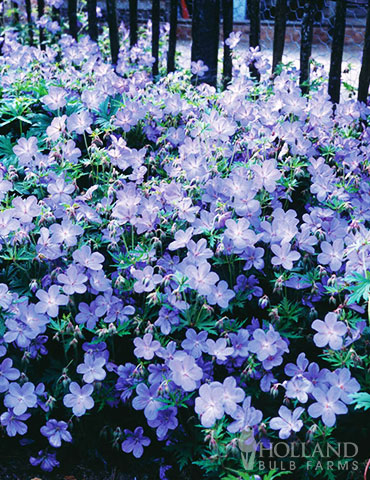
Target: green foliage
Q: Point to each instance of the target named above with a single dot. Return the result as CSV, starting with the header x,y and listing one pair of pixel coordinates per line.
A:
x,y
361,400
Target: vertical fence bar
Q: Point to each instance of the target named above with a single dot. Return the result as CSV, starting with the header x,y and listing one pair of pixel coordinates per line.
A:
x,y
1,14
15,13
29,21
279,33
205,37
92,20
72,18
255,30
306,43
364,80
228,23
133,22
40,13
113,29
156,13
337,51
172,39
55,14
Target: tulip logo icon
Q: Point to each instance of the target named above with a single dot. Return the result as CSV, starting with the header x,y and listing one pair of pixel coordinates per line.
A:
x,y
248,446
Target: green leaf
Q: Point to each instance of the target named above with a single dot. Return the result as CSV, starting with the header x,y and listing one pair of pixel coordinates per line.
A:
x,y
361,400
361,287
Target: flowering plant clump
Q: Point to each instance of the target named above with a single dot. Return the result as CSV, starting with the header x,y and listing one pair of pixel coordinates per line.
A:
x,y
177,265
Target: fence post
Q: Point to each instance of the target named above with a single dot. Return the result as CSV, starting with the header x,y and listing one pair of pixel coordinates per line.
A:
x,y
40,13
228,21
306,43
29,21
72,18
279,33
156,12
172,39
205,37
92,20
15,13
255,30
364,80
133,22
337,51
113,30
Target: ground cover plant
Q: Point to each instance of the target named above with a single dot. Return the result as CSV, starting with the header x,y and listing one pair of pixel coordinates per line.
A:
x,y
180,266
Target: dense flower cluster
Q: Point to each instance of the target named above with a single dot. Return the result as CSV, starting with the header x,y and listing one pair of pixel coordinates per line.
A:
x,y
188,250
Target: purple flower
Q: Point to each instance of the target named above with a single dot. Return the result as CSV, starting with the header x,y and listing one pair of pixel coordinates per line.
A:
x,y
245,417
198,68
87,315
327,405
201,278
264,344
67,233
14,423
166,319
74,282
330,331
198,251
45,247
146,279
19,332
125,380
232,395
219,349
92,368
7,372
266,175
56,432
147,400
50,301
182,238
298,388
26,209
195,343
185,372
240,234
146,346
253,257
287,422
341,378
166,420
79,399
55,99
332,255
84,257
20,398
233,39
209,404
302,363
60,191
56,128
220,295
284,256
47,461
26,149
240,342
135,442
5,296
266,381
80,122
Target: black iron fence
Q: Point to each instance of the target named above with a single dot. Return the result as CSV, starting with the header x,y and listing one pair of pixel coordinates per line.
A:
x,y
209,18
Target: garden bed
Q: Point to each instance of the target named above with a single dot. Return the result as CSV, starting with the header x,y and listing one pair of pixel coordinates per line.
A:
x,y
184,272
